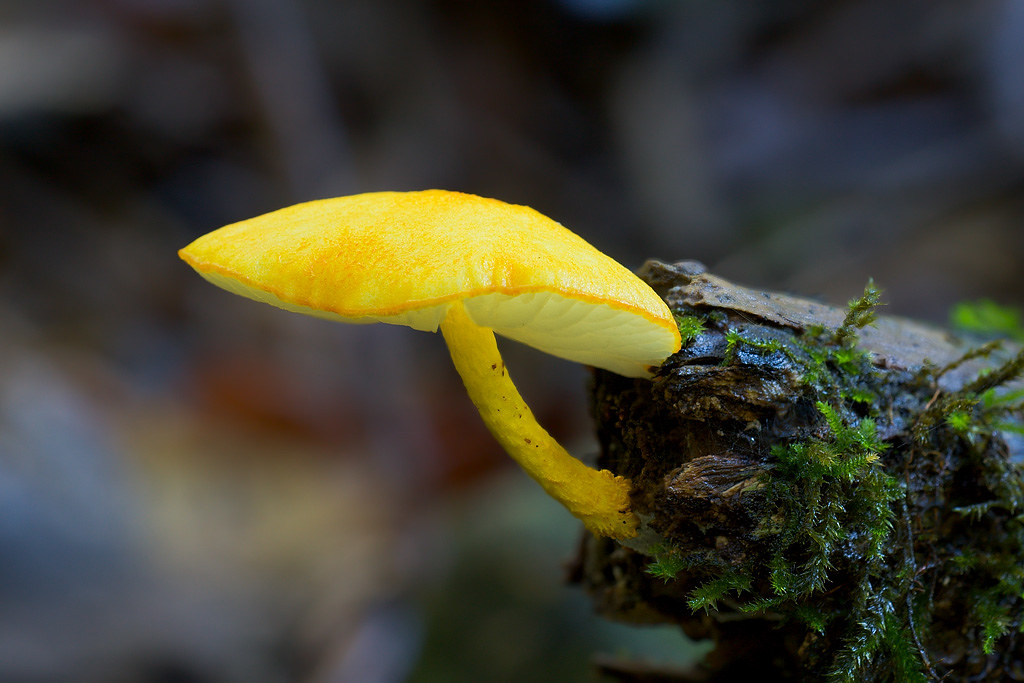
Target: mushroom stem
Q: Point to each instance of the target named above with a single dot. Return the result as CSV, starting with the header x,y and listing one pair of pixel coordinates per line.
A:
x,y
598,498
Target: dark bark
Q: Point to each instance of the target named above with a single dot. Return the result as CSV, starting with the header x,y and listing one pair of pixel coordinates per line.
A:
x,y
819,498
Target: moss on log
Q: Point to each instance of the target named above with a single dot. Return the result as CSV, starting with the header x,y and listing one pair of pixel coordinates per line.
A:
x,y
836,495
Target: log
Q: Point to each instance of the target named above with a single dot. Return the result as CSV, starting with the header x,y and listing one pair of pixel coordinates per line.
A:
x,y
835,495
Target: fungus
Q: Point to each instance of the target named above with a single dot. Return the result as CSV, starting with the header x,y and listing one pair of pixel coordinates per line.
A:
x,y
472,267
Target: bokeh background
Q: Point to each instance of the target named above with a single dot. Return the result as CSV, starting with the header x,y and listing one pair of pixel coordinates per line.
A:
x,y
197,488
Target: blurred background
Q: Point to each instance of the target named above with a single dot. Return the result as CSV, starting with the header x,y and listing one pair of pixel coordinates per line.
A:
x,y
198,488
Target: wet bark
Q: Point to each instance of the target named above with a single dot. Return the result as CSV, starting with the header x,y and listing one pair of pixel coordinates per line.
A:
x,y
903,566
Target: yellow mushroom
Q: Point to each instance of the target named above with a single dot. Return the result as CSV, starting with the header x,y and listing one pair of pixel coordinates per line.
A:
x,y
472,267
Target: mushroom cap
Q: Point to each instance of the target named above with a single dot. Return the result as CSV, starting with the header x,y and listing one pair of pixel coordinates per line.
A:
x,y
405,257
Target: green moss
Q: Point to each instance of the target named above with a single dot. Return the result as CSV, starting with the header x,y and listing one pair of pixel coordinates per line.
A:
x,y
996,576
690,326
985,317
860,313
881,636
706,596
667,564
845,557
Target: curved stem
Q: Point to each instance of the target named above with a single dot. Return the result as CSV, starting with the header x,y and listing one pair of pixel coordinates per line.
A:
x,y
597,497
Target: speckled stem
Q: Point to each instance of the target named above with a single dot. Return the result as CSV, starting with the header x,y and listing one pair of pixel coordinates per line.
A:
x,y
597,497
